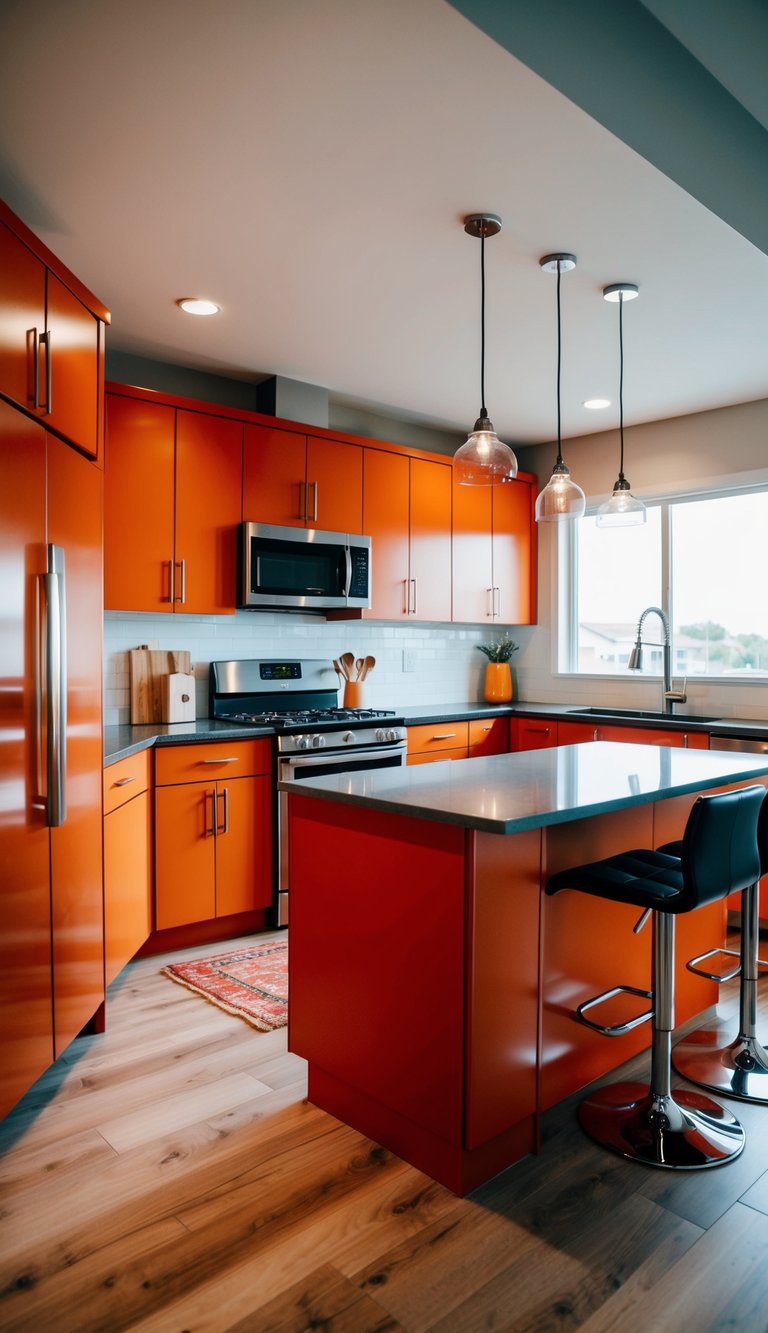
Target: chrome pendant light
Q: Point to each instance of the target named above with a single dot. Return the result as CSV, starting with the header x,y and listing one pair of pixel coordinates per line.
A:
x,y
483,459
623,510
561,497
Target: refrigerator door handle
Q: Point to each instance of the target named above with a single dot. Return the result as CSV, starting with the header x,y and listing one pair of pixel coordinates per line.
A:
x,y
56,686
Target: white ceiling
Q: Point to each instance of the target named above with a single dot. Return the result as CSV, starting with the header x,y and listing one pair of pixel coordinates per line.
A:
x,y
308,164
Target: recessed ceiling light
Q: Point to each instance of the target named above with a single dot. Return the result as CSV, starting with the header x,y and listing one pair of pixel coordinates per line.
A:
x,y
196,305
596,403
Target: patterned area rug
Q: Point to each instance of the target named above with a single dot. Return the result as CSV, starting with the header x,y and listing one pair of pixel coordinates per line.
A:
x,y
251,982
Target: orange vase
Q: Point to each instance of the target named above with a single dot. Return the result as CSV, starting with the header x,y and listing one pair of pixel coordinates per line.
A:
x,y
498,683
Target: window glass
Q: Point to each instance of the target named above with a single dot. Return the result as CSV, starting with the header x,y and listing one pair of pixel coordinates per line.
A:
x,y
719,606
618,576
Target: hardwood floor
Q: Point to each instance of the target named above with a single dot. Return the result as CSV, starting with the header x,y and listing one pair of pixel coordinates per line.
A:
x,y
168,1175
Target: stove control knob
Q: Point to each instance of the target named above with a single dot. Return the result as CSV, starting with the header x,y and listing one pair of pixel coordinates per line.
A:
x,y
302,742
389,734
317,741
381,734
348,737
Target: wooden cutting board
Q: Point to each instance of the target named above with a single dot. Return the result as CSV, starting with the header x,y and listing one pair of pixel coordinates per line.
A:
x,y
149,669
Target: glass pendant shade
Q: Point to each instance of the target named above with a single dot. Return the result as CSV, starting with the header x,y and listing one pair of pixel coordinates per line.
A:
x,y
484,459
623,510
561,497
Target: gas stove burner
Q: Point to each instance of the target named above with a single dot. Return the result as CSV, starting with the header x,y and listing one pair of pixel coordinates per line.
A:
x,y
309,717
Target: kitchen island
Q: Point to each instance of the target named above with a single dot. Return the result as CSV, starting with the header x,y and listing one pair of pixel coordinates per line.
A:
x,y
432,983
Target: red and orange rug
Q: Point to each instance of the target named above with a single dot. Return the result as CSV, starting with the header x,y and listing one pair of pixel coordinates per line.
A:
x,y
251,982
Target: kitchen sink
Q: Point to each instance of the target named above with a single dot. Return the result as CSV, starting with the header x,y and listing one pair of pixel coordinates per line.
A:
x,y
642,713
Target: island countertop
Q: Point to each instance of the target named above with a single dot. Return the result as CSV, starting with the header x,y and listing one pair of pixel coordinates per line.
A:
x,y
509,793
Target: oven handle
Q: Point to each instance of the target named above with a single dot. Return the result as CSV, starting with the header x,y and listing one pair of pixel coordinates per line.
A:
x,y
288,765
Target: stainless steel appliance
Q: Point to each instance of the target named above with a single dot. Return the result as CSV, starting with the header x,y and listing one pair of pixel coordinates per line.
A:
x,y
299,698
302,569
744,744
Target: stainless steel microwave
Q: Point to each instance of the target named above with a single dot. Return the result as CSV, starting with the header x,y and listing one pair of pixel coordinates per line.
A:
x,y
302,569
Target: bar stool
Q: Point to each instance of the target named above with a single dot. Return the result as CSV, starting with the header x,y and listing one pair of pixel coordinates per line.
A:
x,y
739,1067
646,1122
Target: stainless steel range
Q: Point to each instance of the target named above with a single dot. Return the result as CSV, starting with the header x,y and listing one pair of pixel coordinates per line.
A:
x,y
299,698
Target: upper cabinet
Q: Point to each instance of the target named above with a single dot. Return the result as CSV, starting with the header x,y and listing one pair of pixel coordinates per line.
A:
x,y
172,504
302,481
407,515
494,570
51,340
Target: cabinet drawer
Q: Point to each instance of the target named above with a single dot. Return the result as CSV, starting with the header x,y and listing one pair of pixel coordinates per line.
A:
x,y
488,735
198,763
538,734
125,779
438,736
438,757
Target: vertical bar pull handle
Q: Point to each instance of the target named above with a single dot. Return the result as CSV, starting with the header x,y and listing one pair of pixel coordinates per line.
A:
x,y
181,565
56,686
35,369
171,581
210,832
45,340
497,601
224,826
489,612
313,515
413,589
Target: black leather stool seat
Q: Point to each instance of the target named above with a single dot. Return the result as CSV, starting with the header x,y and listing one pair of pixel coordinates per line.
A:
x,y
641,877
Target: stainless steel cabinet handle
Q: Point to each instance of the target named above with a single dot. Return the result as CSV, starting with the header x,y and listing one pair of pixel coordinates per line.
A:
x,y
45,338
36,368
123,782
224,795
209,832
497,601
182,567
444,736
595,735
412,608
406,601
56,686
685,740
489,612
312,485
234,760
171,582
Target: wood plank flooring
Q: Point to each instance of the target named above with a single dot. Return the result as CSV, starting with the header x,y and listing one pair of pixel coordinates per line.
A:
x,y
169,1175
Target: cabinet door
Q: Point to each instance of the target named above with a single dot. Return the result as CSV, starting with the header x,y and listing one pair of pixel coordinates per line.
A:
x,y
22,318
514,553
536,734
209,468
573,733
138,506
488,735
185,868
26,1032
127,882
430,526
386,481
274,476
334,485
71,366
473,592
243,845
75,523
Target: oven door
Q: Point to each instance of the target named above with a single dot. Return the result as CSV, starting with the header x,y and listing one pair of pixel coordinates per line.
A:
x,y
292,768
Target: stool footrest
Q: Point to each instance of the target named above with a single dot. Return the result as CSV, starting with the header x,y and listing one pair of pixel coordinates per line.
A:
x,y
614,1029
715,976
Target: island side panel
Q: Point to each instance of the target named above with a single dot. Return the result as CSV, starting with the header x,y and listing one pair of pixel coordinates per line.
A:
x,y
502,985
376,970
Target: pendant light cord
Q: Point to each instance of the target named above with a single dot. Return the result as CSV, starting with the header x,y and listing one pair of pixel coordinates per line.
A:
x,y
483,412
621,387
559,357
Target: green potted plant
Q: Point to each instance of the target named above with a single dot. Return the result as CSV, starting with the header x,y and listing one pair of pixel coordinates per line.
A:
x,y
497,688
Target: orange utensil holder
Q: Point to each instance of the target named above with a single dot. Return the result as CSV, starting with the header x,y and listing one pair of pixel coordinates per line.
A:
x,y
354,694
498,683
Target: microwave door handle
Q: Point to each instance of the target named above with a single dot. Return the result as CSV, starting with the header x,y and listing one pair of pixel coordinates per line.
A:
x,y
348,579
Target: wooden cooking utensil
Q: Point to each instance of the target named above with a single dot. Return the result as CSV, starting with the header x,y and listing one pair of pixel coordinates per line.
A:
x,y
368,665
358,668
347,661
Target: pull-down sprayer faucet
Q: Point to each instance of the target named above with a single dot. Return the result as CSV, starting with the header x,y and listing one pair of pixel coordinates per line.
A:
x,y
669,696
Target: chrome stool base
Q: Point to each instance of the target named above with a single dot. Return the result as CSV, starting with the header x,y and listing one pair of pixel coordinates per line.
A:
x,y
738,1069
684,1132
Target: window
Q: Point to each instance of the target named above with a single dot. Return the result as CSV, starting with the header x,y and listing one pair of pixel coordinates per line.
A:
x,y
701,560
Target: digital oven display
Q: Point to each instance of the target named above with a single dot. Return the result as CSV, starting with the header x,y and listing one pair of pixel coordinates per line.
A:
x,y
280,670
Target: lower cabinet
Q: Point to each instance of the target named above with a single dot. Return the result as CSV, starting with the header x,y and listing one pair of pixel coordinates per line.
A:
x,y
572,733
458,740
213,831
536,733
127,861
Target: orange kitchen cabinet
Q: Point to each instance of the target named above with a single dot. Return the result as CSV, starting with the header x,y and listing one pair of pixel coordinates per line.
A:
x,y
532,733
127,861
572,733
213,839
494,573
51,340
172,505
301,481
488,735
407,515
440,740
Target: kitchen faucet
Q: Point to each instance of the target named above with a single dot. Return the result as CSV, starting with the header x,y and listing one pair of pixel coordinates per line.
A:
x,y
669,696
